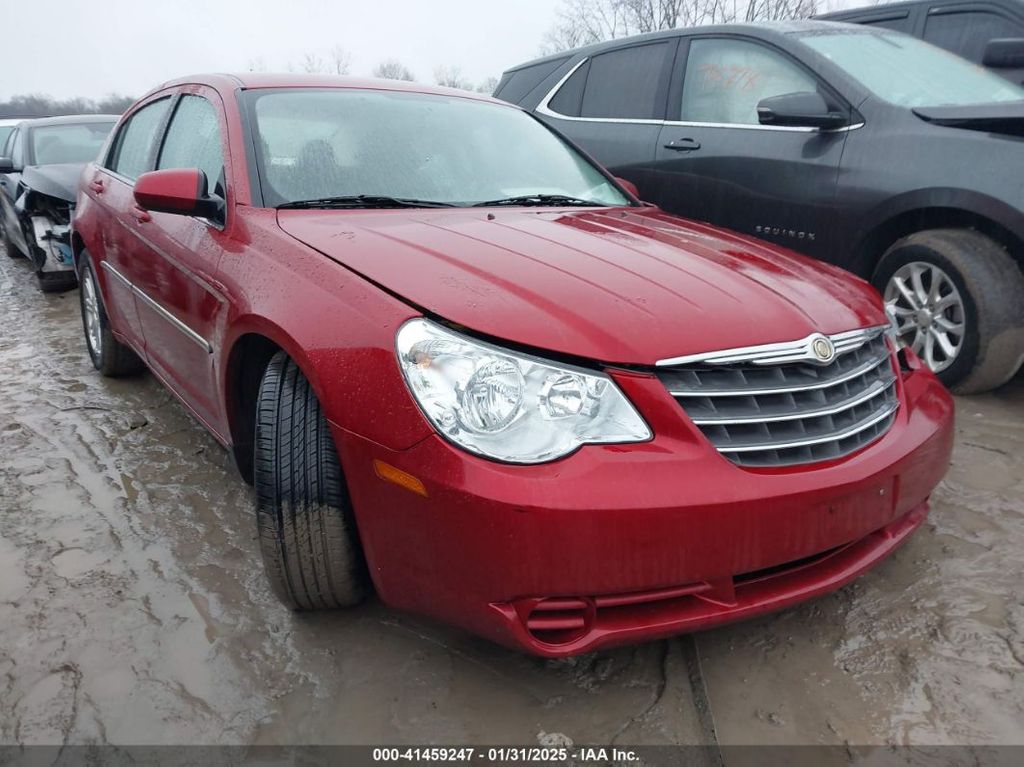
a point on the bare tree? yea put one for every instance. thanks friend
(451, 77)
(257, 64)
(312, 64)
(341, 61)
(393, 69)
(488, 85)
(582, 22)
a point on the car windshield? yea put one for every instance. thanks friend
(70, 142)
(908, 72)
(314, 144)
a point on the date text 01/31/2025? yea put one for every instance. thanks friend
(503, 754)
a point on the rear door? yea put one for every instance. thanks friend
(174, 271)
(717, 163)
(111, 188)
(612, 104)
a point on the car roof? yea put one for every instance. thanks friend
(258, 80)
(38, 122)
(761, 29)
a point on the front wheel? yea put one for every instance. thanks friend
(306, 526)
(957, 299)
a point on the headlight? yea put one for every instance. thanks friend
(510, 406)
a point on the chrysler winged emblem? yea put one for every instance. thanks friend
(822, 348)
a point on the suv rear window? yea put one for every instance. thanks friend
(515, 86)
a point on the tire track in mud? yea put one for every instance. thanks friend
(133, 606)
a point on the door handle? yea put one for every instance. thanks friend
(683, 145)
(141, 214)
(96, 185)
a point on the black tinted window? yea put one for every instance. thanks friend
(897, 23)
(515, 86)
(134, 143)
(626, 83)
(968, 32)
(193, 139)
(569, 99)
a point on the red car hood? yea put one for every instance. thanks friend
(614, 285)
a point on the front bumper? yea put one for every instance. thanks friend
(53, 241)
(623, 543)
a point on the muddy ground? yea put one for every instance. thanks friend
(133, 608)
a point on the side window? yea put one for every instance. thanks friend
(8, 148)
(515, 86)
(569, 98)
(18, 148)
(627, 83)
(193, 140)
(895, 23)
(725, 79)
(133, 146)
(967, 33)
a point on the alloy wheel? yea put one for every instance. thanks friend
(928, 312)
(91, 314)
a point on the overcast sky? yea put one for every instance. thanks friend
(73, 48)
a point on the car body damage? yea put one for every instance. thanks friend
(44, 207)
(40, 164)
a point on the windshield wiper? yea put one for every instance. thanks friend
(364, 201)
(541, 199)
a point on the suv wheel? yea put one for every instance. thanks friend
(109, 356)
(957, 298)
(306, 526)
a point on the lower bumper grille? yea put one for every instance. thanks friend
(776, 406)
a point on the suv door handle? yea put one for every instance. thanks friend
(683, 145)
(96, 185)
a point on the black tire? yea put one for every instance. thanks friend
(56, 282)
(113, 359)
(991, 284)
(306, 526)
(9, 247)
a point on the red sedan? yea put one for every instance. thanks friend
(463, 365)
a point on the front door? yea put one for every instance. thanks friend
(717, 163)
(175, 282)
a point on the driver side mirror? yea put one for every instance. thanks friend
(180, 191)
(805, 109)
(1004, 53)
(6, 165)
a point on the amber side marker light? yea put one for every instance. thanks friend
(389, 473)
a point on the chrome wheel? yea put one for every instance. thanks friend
(928, 312)
(91, 314)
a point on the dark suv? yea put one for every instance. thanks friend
(990, 32)
(858, 145)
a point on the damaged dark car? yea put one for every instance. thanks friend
(39, 168)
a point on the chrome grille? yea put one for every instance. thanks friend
(773, 405)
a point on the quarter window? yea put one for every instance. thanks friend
(726, 79)
(134, 144)
(628, 84)
(193, 140)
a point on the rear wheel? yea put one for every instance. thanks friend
(109, 356)
(957, 298)
(306, 526)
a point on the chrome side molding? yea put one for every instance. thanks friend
(192, 335)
